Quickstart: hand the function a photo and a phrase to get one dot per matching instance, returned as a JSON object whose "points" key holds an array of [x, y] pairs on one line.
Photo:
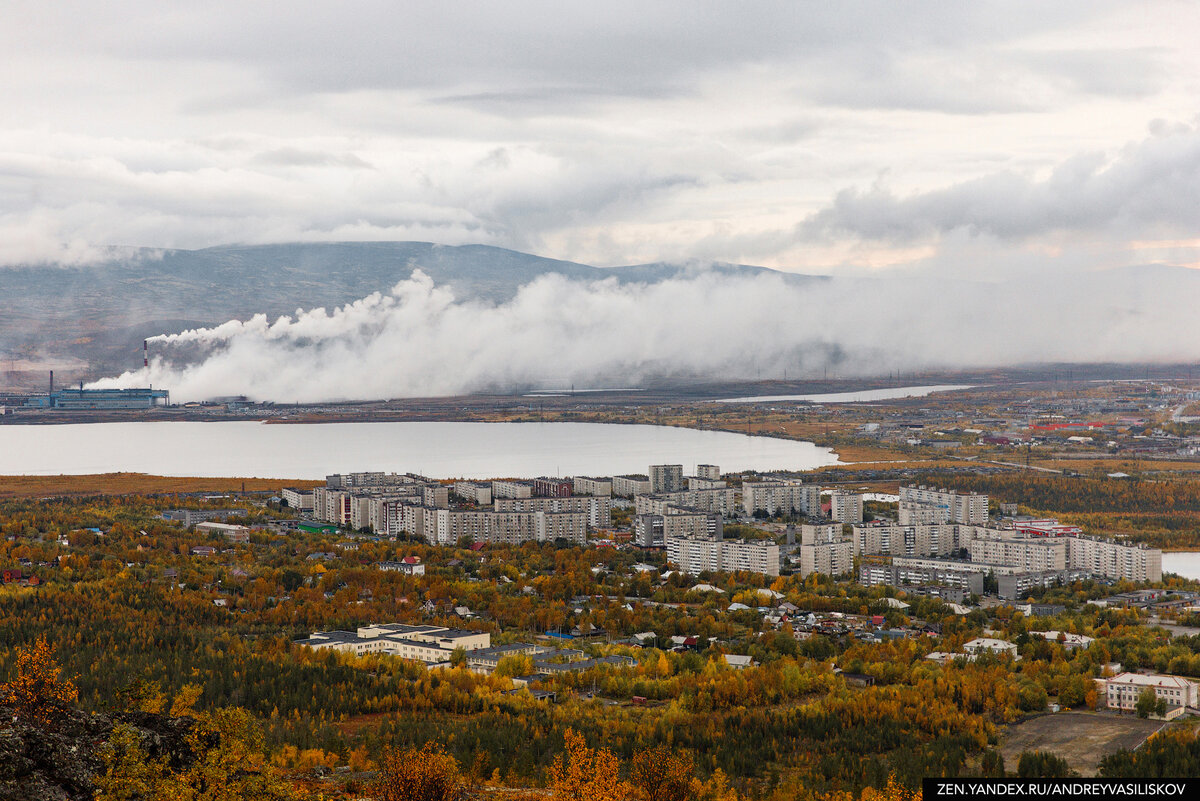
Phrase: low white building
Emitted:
{"points": [[1065, 638], [430, 644], [1122, 691], [409, 565], [998, 647], [227, 530]]}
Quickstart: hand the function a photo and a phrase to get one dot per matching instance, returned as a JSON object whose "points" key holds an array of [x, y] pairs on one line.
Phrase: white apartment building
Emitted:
{"points": [[449, 526], [693, 556], [474, 492], [832, 558], [787, 497], [301, 499], [1032, 555], [722, 501], [968, 507], [708, 471], [681, 522], [1122, 691], [586, 485], [896, 539], [846, 507], [598, 508], [1113, 559], [512, 489], [630, 486], [913, 514], [666, 478]]}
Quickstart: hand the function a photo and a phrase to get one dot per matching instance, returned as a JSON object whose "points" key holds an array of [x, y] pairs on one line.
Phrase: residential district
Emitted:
{"points": [[940, 543]]}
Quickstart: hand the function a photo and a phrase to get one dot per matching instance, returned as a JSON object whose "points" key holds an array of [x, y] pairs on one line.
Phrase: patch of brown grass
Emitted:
{"points": [[134, 484]]}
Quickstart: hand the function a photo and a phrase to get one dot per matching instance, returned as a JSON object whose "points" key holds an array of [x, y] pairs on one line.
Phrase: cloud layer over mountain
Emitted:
{"points": [[418, 340]]}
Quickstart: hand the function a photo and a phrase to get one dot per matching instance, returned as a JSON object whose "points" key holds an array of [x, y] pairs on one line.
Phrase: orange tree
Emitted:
{"points": [[38, 691], [587, 774], [428, 774]]}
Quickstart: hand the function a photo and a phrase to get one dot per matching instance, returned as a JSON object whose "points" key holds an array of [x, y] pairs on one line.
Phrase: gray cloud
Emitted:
{"points": [[1149, 187]]}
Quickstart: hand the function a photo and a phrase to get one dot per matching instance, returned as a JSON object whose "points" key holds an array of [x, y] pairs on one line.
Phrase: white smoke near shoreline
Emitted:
{"points": [[418, 340]]}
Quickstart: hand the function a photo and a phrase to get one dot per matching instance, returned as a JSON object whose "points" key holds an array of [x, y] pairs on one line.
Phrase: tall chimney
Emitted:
{"points": [[145, 354], [51, 382]]}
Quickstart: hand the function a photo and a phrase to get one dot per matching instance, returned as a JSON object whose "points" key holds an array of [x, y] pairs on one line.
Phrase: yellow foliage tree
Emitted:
{"points": [[587, 774], [428, 774], [660, 774], [38, 692]]}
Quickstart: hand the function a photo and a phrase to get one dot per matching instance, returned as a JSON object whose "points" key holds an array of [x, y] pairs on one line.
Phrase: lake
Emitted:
{"points": [[1184, 563], [851, 397], [436, 449]]}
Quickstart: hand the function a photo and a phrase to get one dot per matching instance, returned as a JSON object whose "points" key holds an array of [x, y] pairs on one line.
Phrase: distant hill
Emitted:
{"points": [[100, 313]]}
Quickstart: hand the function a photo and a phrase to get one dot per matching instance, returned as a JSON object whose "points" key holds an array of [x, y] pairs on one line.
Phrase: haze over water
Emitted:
{"points": [[436, 449]]}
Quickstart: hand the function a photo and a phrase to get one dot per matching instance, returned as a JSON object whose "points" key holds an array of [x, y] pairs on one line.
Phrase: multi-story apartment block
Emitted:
{"points": [[722, 501], [971, 507], [895, 539], [449, 526], [846, 507], [787, 496], [1114, 559], [875, 572], [700, 483], [474, 492], [630, 486], [708, 471], [512, 489], [598, 508], [586, 485], [545, 487], [830, 558], [301, 499], [1031, 555], [666, 478], [648, 531], [683, 522], [436, 495], [912, 513], [694, 556]]}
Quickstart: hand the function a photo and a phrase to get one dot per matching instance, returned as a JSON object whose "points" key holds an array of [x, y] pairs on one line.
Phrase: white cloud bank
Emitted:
{"points": [[417, 340]]}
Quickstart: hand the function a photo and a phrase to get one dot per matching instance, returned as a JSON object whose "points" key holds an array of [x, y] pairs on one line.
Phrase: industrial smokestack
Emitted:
{"points": [[145, 353], [51, 382]]}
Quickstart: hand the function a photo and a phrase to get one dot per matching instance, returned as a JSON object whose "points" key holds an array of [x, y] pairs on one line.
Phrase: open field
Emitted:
{"points": [[133, 483], [1081, 738]]}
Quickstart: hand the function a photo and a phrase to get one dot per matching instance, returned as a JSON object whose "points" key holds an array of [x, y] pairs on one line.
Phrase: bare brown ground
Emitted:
{"points": [[1081, 738], [133, 484]]}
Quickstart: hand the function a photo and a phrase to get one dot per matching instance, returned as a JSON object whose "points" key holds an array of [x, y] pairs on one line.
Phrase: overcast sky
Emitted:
{"points": [[972, 137]]}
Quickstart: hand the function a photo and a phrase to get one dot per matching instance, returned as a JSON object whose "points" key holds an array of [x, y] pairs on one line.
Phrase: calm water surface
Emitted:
{"points": [[469, 450], [1185, 563], [852, 397]]}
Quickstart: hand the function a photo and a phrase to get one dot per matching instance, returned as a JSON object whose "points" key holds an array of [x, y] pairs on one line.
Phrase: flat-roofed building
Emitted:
{"points": [[430, 644], [587, 485], [510, 488], [299, 499], [846, 507], [786, 496], [474, 492], [598, 508], [666, 478], [1123, 690], [630, 486]]}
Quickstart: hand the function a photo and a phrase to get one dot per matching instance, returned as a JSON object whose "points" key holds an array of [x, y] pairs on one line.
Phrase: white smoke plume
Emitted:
{"points": [[418, 340]]}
